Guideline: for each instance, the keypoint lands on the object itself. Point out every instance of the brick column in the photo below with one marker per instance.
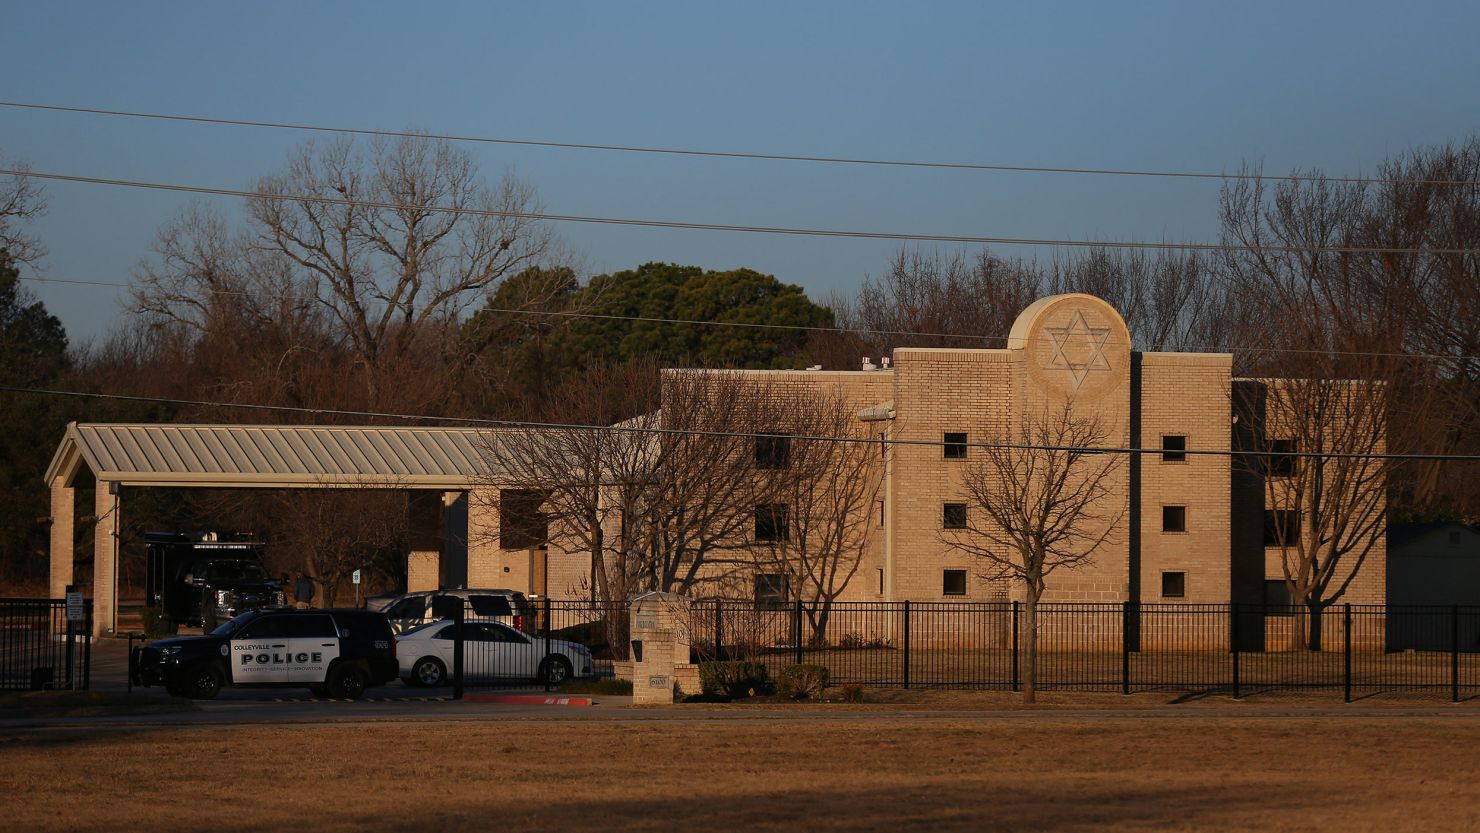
(105, 559)
(63, 526)
(424, 521)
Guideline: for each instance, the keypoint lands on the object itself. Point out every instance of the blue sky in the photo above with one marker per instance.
(1180, 86)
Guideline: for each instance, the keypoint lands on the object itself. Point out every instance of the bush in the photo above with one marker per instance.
(734, 679)
(853, 693)
(149, 615)
(801, 682)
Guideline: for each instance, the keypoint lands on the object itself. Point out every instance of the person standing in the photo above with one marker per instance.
(303, 592)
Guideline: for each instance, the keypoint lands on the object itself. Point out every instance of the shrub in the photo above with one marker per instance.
(149, 615)
(801, 682)
(734, 679)
(853, 693)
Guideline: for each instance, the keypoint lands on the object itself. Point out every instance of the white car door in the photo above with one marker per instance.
(257, 651)
(312, 644)
(521, 658)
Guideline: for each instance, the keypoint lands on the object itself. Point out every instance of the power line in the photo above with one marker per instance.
(802, 327)
(679, 224)
(722, 154)
(623, 428)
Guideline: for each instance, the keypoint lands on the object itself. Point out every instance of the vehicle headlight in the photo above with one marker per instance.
(222, 596)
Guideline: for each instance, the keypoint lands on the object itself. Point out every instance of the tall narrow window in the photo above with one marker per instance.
(953, 583)
(770, 522)
(522, 525)
(955, 445)
(1174, 448)
(953, 516)
(770, 591)
(1173, 519)
(772, 451)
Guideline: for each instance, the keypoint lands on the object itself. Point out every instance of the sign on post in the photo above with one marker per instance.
(355, 577)
(74, 606)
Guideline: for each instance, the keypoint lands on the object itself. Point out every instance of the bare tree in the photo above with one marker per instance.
(1040, 500)
(828, 489)
(21, 200)
(1325, 513)
(1170, 300)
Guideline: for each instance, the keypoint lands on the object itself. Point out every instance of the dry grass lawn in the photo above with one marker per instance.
(881, 772)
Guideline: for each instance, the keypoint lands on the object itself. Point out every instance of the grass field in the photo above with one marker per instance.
(875, 772)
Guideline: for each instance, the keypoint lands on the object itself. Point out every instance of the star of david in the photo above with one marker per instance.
(1078, 348)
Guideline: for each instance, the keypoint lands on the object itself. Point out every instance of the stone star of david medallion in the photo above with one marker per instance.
(1078, 348)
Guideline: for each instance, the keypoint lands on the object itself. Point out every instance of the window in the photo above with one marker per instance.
(953, 583)
(265, 628)
(317, 626)
(521, 524)
(1281, 462)
(770, 590)
(409, 608)
(881, 581)
(1174, 448)
(1281, 527)
(953, 516)
(770, 522)
(772, 451)
(1173, 519)
(881, 513)
(1277, 598)
(1173, 585)
(500, 633)
(490, 606)
(955, 445)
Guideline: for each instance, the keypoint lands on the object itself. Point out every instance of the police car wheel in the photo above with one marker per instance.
(555, 670)
(346, 682)
(429, 671)
(203, 682)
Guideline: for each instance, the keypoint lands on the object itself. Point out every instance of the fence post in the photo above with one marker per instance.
(87, 639)
(458, 643)
(1233, 643)
(1454, 653)
(797, 628)
(71, 652)
(1346, 647)
(719, 631)
(546, 628)
(1014, 645)
(906, 643)
(1125, 647)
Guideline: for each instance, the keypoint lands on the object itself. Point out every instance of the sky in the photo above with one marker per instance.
(1183, 86)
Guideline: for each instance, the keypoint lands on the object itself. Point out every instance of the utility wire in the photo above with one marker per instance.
(795, 327)
(721, 154)
(623, 428)
(678, 224)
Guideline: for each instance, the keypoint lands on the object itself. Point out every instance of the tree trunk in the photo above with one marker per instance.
(1315, 610)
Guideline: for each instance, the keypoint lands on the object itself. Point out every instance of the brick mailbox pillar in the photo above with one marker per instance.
(660, 648)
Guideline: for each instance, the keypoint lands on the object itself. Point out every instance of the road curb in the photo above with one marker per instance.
(528, 699)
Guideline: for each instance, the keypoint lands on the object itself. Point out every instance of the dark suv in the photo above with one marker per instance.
(335, 653)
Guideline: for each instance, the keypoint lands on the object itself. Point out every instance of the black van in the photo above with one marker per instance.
(335, 653)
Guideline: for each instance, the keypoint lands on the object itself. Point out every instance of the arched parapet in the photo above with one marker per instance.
(1073, 346)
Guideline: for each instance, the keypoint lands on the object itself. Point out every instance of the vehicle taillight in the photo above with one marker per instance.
(518, 623)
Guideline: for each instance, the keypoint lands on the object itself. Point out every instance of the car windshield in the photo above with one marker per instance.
(218, 571)
(230, 626)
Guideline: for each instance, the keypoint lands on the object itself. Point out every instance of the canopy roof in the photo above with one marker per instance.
(275, 456)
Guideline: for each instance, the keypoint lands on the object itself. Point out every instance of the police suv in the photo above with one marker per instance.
(336, 653)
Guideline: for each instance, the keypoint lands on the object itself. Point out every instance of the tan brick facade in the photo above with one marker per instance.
(1067, 348)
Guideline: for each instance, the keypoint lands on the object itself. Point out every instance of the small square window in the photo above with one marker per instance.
(1173, 585)
(1277, 598)
(953, 516)
(955, 445)
(770, 522)
(770, 591)
(1281, 527)
(1281, 459)
(953, 583)
(1173, 519)
(772, 451)
(1174, 448)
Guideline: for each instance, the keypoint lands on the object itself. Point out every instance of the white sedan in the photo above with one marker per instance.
(491, 651)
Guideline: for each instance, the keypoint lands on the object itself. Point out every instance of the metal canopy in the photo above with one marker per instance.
(275, 456)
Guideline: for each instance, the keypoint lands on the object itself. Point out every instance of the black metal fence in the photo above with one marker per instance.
(561, 640)
(41, 648)
(1113, 647)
